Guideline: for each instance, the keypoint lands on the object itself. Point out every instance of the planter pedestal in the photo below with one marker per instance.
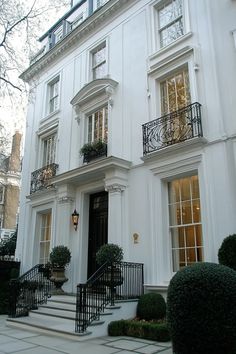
(58, 278)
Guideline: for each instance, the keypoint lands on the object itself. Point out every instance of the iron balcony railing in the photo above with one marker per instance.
(41, 178)
(29, 290)
(119, 281)
(173, 128)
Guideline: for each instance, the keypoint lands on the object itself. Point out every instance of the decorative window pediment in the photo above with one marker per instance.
(93, 94)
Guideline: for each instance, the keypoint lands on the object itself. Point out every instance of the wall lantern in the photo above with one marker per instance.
(75, 219)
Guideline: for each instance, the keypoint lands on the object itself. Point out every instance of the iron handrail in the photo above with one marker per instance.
(111, 282)
(29, 290)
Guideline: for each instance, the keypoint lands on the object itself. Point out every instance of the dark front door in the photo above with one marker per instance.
(98, 227)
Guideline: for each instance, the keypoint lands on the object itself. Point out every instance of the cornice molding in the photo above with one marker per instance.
(79, 33)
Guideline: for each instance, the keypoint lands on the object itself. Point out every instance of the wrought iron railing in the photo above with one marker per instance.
(29, 290)
(119, 281)
(175, 127)
(41, 178)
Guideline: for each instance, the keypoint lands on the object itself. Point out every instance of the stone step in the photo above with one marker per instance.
(53, 317)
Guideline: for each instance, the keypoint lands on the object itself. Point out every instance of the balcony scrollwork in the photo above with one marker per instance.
(175, 127)
(41, 178)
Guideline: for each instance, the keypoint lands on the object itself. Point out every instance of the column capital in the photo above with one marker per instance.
(115, 188)
(65, 200)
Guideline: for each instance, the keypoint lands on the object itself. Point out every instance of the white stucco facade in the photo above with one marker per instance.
(136, 183)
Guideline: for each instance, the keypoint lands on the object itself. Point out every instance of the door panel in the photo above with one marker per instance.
(98, 227)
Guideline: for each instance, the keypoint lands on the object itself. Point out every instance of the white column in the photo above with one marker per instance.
(115, 215)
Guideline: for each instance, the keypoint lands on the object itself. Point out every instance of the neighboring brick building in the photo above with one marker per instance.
(10, 167)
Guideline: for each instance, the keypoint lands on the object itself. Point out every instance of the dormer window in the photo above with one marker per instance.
(58, 34)
(99, 3)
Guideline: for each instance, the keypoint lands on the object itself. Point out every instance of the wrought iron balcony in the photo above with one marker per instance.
(172, 128)
(41, 178)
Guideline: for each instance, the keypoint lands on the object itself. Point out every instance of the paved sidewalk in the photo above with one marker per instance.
(26, 342)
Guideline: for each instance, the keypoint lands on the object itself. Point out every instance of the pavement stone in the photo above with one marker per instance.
(26, 342)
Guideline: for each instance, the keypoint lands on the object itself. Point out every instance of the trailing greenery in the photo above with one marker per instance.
(60, 257)
(109, 253)
(139, 329)
(151, 306)
(227, 252)
(95, 146)
(201, 309)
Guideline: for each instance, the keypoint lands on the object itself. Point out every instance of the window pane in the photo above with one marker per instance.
(175, 92)
(45, 237)
(98, 123)
(186, 240)
(170, 22)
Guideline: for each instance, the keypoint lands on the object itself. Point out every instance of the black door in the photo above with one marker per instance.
(98, 227)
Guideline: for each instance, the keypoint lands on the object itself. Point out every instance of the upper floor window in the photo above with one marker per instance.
(175, 92)
(2, 191)
(170, 20)
(99, 3)
(185, 222)
(58, 34)
(49, 150)
(98, 125)
(99, 67)
(53, 95)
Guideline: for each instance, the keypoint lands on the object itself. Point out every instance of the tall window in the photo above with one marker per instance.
(98, 125)
(175, 92)
(99, 61)
(170, 19)
(2, 190)
(53, 95)
(185, 222)
(45, 237)
(49, 150)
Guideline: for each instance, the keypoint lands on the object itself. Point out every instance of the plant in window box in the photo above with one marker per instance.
(93, 150)
(60, 257)
(112, 255)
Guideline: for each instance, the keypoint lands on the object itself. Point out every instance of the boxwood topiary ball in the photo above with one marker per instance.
(227, 252)
(151, 306)
(201, 310)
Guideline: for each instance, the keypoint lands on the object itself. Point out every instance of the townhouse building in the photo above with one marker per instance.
(152, 82)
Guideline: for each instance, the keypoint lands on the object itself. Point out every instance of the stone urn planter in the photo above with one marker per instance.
(60, 257)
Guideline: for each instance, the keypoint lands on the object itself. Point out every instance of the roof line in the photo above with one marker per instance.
(67, 14)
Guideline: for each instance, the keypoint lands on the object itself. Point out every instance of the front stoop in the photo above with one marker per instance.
(58, 317)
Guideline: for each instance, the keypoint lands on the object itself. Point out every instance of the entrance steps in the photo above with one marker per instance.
(58, 317)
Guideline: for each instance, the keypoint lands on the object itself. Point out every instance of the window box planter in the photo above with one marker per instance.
(93, 151)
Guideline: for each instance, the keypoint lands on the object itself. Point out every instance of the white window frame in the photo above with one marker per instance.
(99, 3)
(165, 171)
(52, 98)
(91, 117)
(175, 226)
(49, 149)
(155, 27)
(58, 34)
(79, 19)
(93, 50)
(40, 217)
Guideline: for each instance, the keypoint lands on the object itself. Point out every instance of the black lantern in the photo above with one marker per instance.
(75, 219)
